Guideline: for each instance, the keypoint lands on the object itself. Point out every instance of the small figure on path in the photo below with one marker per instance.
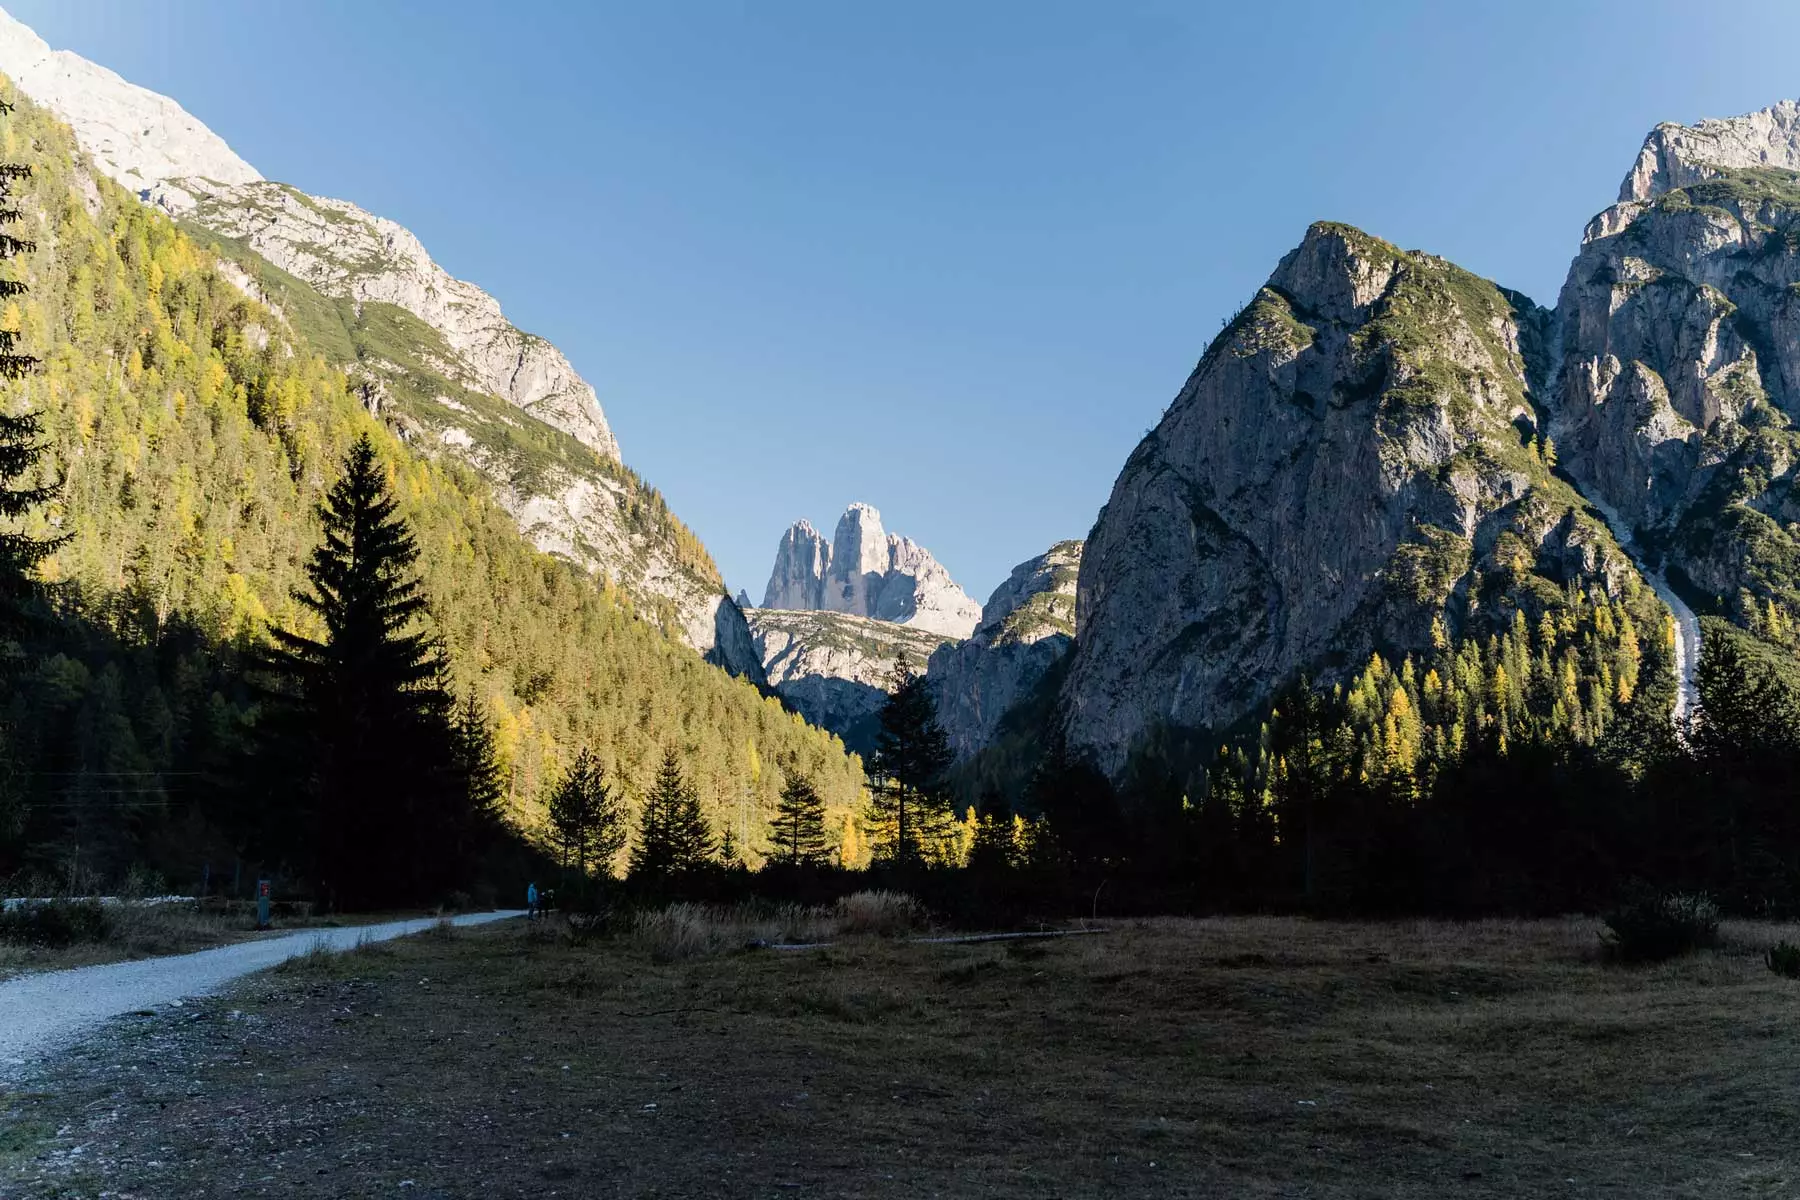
(531, 901)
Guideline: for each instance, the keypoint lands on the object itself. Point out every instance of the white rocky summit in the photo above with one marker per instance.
(154, 147)
(138, 137)
(867, 572)
(1677, 156)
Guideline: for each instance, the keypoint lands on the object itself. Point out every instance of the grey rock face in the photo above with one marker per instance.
(346, 252)
(136, 136)
(836, 669)
(798, 579)
(1338, 471)
(1026, 626)
(1675, 156)
(867, 572)
(1680, 344)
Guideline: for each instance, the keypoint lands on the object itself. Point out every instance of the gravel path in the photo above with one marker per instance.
(41, 1013)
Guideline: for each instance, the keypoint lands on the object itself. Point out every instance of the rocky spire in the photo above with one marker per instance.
(868, 572)
(798, 579)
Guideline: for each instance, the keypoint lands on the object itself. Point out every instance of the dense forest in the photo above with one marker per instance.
(192, 432)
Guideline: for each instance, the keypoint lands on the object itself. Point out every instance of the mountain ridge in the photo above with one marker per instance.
(431, 371)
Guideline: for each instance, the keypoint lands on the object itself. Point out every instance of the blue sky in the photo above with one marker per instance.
(952, 259)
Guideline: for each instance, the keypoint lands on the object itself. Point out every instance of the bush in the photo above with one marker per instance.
(1652, 926)
(1784, 959)
(56, 923)
(885, 914)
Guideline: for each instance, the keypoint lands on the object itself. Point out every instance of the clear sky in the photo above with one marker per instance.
(951, 258)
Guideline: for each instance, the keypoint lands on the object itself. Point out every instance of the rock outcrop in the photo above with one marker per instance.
(1353, 460)
(136, 136)
(354, 255)
(867, 572)
(836, 669)
(1677, 156)
(1026, 626)
(1680, 348)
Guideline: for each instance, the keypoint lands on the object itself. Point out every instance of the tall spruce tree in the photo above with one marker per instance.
(587, 816)
(910, 802)
(361, 728)
(673, 837)
(800, 823)
(570, 810)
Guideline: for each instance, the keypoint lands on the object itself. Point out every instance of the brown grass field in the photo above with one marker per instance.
(1229, 1057)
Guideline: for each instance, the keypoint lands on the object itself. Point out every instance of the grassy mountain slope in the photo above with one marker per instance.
(195, 428)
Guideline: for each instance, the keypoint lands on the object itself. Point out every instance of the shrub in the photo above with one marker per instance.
(1653, 926)
(56, 923)
(886, 914)
(1784, 959)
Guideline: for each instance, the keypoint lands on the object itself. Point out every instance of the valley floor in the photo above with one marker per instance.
(1252, 1057)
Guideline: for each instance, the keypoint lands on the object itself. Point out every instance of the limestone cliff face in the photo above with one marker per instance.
(136, 136)
(1680, 345)
(1675, 156)
(1353, 458)
(836, 669)
(348, 253)
(867, 572)
(1026, 626)
(435, 355)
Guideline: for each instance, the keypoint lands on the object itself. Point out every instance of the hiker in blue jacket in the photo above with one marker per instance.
(531, 900)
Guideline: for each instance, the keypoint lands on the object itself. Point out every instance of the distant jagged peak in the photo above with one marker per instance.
(137, 136)
(1677, 156)
(868, 572)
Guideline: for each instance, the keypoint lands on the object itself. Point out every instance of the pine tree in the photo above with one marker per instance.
(477, 763)
(20, 449)
(800, 823)
(587, 817)
(362, 726)
(673, 836)
(571, 812)
(908, 796)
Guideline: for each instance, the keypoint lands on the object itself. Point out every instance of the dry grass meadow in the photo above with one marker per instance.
(1231, 1057)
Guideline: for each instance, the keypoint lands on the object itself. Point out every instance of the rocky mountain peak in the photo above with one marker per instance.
(868, 572)
(136, 136)
(798, 580)
(1026, 627)
(154, 147)
(1337, 271)
(1678, 156)
(1346, 465)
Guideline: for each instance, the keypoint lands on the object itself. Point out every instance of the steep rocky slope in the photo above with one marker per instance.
(1354, 464)
(1026, 626)
(867, 572)
(836, 669)
(1680, 373)
(435, 353)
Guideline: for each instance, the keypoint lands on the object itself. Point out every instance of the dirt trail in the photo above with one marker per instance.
(41, 1013)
